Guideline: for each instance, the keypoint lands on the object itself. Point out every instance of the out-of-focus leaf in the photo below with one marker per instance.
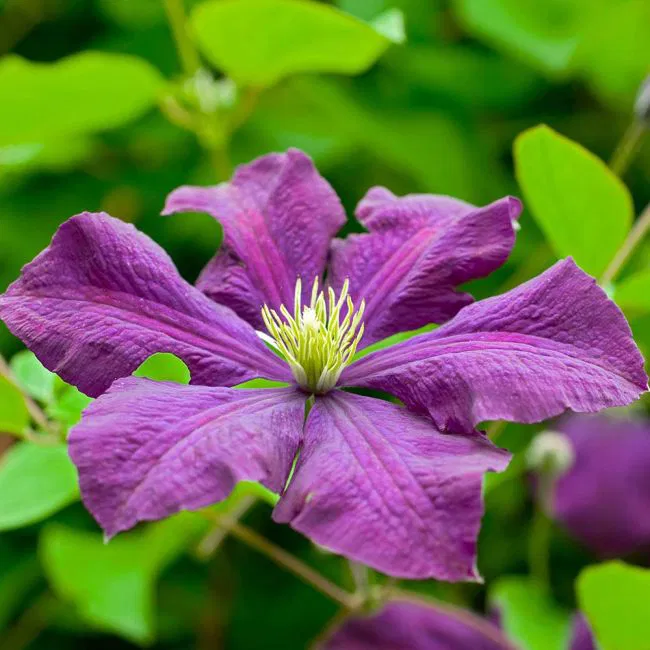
(33, 376)
(528, 616)
(17, 576)
(469, 76)
(393, 340)
(543, 34)
(584, 210)
(633, 292)
(615, 598)
(614, 52)
(258, 42)
(55, 155)
(35, 481)
(67, 405)
(86, 92)
(14, 416)
(112, 585)
(262, 383)
(163, 366)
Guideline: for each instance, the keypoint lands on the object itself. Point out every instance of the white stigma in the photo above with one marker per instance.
(316, 341)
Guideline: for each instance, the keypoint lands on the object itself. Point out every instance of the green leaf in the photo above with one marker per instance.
(259, 42)
(262, 383)
(633, 293)
(14, 416)
(86, 92)
(393, 340)
(583, 209)
(33, 376)
(68, 404)
(113, 585)
(163, 366)
(529, 617)
(35, 481)
(545, 35)
(615, 598)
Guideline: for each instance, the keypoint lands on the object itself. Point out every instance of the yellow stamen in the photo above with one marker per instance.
(315, 342)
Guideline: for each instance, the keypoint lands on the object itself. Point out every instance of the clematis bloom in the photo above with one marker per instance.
(396, 487)
(604, 497)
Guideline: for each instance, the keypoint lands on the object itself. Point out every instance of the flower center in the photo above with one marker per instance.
(317, 342)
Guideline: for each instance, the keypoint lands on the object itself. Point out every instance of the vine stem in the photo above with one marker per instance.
(627, 147)
(638, 232)
(187, 53)
(287, 561)
(539, 542)
(34, 409)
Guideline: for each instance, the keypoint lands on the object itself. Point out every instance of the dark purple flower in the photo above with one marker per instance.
(604, 498)
(383, 484)
(403, 625)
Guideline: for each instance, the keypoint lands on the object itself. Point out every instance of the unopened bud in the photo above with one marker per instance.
(550, 453)
(642, 103)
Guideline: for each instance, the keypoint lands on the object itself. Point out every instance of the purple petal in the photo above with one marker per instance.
(384, 487)
(145, 450)
(419, 249)
(402, 625)
(582, 637)
(554, 343)
(604, 498)
(278, 216)
(103, 297)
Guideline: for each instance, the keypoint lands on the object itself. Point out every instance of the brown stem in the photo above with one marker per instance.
(287, 561)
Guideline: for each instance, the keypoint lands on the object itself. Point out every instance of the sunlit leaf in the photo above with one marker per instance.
(86, 92)
(584, 210)
(163, 366)
(35, 481)
(258, 42)
(14, 416)
(528, 615)
(33, 376)
(615, 598)
(68, 404)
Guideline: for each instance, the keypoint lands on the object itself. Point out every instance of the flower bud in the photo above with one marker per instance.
(550, 453)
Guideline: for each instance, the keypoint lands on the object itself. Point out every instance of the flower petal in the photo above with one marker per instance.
(103, 297)
(604, 498)
(554, 343)
(145, 450)
(278, 216)
(419, 249)
(384, 487)
(417, 626)
(582, 637)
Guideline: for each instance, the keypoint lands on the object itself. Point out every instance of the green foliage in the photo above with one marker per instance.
(584, 210)
(163, 366)
(87, 92)
(33, 377)
(633, 293)
(35, 481)
(528, 614)
(259, 42)
(68, 404)
(615, 598)
(113, 585)
(14, 416)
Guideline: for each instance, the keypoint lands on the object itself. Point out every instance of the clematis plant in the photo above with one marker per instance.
(395, 486)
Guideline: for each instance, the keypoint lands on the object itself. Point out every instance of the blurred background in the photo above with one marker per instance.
(435, 109)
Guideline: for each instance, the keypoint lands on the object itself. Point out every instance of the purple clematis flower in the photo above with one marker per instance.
(604, 498)
(418, 626)
(398, 488)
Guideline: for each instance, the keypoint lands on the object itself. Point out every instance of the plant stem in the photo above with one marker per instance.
(627, 147)
(538, 547)
(286, 561)
(638, 232)
(187, 53)
(495, 429)
(34, 409)
(30, 624)
(361, 576)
